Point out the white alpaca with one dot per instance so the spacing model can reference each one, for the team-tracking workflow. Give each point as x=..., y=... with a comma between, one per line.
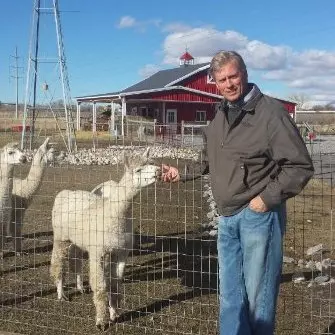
x=83, y=198
x=99, y=226
x=10, y=155
x=24, y=189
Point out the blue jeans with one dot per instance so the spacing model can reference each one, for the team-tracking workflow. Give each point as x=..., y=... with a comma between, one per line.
x=250, y=259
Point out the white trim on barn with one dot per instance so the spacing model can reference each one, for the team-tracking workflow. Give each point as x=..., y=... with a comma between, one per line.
x=313, y=112
x=98, y=97
x=78, y=127
x=123, y=113
x=94, y=121
x=183, y=88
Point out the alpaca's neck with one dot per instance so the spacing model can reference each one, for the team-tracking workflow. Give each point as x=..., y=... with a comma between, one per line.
x=126, y=189
x=28, y=186
x=6, y=182
x=123, y=193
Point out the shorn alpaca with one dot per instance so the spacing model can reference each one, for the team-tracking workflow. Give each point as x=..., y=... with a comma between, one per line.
x=10, y=155
x=24, y=189
x=99, y=226
x=83, y=199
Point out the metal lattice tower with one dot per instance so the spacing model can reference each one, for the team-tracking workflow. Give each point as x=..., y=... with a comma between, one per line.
x=37, y=93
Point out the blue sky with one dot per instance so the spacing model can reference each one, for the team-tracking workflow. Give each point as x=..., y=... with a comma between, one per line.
x=289, y=46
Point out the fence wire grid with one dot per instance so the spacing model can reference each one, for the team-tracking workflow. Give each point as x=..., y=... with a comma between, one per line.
x=170, y=280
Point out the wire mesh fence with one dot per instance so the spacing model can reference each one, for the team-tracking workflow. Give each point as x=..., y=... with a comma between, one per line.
x=170, y=280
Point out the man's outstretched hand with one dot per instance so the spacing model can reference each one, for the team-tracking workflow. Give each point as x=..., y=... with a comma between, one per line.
x=170, y=174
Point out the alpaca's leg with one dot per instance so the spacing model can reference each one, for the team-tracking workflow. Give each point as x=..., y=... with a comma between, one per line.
x=112, y=285
x=76, y=265
x=4, y=223
x=59, y=253
x=98, y=286
x=17, y=242
x=117, y=263
x=121, y=264
x=15, y=228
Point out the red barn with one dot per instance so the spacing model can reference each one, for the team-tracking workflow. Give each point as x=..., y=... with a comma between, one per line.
x=170, y=96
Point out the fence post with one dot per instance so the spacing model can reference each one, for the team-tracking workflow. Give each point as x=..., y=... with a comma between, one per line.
x=182, y=132
x=112, y=130
x=140, y=131
x=155, y=121
x=127, y=126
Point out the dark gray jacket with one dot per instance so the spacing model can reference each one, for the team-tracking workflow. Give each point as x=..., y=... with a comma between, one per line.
x=261, y=153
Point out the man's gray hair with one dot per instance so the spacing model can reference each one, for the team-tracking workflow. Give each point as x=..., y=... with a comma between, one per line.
x=222, y=58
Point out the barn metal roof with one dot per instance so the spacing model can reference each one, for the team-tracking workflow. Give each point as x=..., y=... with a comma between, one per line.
x=165, y=77
x=160, y=79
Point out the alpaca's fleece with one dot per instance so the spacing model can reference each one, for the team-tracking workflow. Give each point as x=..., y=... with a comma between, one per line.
x=10, y=155
x=24, y=189
x=99, y=225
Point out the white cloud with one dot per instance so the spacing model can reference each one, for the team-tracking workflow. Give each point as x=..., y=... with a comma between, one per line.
x=315, y=58
x=201, y=42
x=130, y=22
x=260, y=56
x=126, y=22
x=148, y=70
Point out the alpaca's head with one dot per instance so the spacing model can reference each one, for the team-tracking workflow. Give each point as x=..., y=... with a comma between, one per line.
x=45, y=153
x=11, y=154
x=141, y=170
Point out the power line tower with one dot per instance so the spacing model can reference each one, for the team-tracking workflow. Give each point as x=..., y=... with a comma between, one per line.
x=44, y=86
x=16, y=76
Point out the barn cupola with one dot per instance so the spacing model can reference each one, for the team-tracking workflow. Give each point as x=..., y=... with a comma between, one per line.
x=186, y=59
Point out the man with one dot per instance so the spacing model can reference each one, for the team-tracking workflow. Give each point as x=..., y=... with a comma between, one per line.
x=257, y=160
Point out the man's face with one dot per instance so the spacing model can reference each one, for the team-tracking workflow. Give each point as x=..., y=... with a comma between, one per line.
x=231, y=81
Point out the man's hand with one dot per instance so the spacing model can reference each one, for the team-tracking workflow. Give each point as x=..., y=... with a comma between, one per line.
x=257, y=205
x=170, y=174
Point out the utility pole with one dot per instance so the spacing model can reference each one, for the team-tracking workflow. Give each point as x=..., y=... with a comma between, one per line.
x=34, y=77
x=16, y=78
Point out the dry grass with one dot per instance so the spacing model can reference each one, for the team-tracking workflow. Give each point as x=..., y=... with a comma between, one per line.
x=171, y=278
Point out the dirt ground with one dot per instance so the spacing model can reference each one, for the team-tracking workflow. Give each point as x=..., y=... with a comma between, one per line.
x=170, y=284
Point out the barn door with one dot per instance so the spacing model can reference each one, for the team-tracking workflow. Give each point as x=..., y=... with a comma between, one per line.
x=171, y=120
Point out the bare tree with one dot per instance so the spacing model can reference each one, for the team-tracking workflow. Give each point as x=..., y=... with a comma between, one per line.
x=327, y=107
x=300, y=99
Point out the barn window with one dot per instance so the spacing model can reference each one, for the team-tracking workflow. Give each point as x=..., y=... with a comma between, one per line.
x=200, y=116
x=143, y=111
x=150, y=112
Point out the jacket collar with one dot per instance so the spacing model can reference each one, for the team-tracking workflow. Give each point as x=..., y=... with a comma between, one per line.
x=251, y=99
